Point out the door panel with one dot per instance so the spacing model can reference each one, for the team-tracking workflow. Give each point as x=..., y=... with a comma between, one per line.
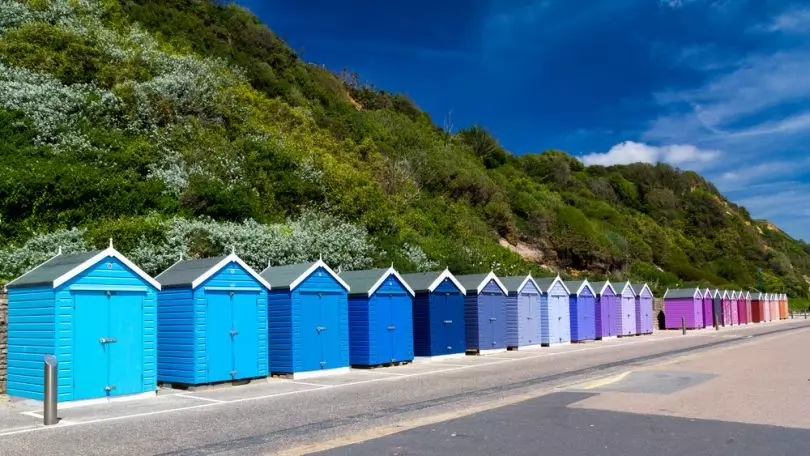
x=218, y=345
x=90, y=357
x=330, y=336
x=126, y=354
x=245, y=310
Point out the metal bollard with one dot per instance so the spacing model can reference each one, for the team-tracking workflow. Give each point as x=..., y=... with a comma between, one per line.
x=49, y=404
x=683, y=326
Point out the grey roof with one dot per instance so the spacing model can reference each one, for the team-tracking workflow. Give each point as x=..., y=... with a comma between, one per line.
x=597, y=286
x=362, y=281
x=280, y=277
x=545, y=283
x=471, y=281
x=183, y=273
x=638, y=286
x=421, y=281
x=47, y=272
x=682, y=293
x=513, y=283
x=573, y=285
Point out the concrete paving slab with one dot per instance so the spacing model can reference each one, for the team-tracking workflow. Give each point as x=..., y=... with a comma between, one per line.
x=418, y=368
x=13, y=419
x=655, y=382
x=354, y=376
x=121, y=409
x=269, y=388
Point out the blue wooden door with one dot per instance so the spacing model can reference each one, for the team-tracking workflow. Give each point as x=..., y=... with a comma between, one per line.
x=329, y=331
x=492, y=306
x=439, y=324
x=455, y=331
x=245, y=339
x=310, y=351
x=90, y=357
x=401, y=317
x=218, y=345
x=126, y=353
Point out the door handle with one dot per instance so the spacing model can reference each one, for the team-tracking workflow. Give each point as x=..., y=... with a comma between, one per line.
x=492, y=318
x=109, y=388
x=320, y=328
x=323, y=363
x=391, y=328
x=234, y=332
x=448, y=322
x=108, y=340
x=233, y=373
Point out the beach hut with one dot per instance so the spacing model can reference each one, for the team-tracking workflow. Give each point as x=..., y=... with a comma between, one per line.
x=683, y=306
x=212, y=321
x=438, y=314
x=717, y=307
x=380, y=317
x=582, y=308
x=742, y=312
x=95, y=312
x=785, y=308
x=523, y=325
x=766, y=307
x=554, y=311
x=735, y=308
x=608, y=310
x=749, y=311
x=484, y=312
x=757, y=308
x=644, y=308
x=726, y=299
x=308, y=320
x=627, y=322
x=708, y=309
x=775, y=314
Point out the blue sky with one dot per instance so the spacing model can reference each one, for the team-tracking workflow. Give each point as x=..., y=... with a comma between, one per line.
x=720, y=87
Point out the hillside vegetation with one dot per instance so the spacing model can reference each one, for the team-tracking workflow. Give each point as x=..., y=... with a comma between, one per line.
x=187, y=127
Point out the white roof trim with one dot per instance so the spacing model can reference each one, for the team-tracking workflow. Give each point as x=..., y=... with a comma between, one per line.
x=716, y=293
x=108, y=252
x=228, y=259
x=607, y=285
x=697, y=291
x=528, y=279
x=487, y=279
x=390, y=272
x=560, y=280
x=644, y=287
x=708, y=290
x=630, y=286
x=446, y=274
x=583, y=286
x=313, y=268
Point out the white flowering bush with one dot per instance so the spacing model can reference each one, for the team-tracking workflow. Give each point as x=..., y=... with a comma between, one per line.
x=312, y=235
x=56, y=109
x=418, y=258
x=16, y=261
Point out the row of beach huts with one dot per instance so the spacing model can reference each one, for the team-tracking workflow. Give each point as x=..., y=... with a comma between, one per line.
x=695, y=308
x=117, y=331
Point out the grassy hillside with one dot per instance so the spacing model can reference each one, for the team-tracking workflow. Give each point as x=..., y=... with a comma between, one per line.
x=186, y=127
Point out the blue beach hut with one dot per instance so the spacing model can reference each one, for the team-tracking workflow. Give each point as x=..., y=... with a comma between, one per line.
x=582, y=303
x=212, y=321
x=438, y=314
x=523, y=326
x=308, y=320
x=555, y=313
x=484, y=313
x=380, y=317
x=95, y=311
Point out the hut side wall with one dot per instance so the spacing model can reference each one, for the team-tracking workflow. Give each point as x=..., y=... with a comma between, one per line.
x=3, y=339
x=177, y=361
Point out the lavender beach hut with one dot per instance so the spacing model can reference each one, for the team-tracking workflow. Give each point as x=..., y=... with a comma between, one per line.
x=523, y=325
x=683, y=306
x=554, y=311
x=627, y=321
x=644, y=308
x=608, y=310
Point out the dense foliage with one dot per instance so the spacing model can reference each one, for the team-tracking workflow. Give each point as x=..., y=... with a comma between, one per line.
x=187, y=127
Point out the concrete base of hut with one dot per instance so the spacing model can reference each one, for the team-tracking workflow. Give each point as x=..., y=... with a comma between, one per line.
x=556, y=344
x=525, y=347
x=427, y=359
x=313, y=374
x=491, y=351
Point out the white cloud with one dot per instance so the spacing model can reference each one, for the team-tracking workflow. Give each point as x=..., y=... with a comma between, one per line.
x=681, y=155
x=792, y=21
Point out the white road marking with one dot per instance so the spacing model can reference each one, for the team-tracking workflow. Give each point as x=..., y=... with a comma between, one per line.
x=34, y=414
x=206, y=399
x=316, y=387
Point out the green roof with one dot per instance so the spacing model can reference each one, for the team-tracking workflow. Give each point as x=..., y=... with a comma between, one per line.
x=545, y=283
x=471, y=281
x=680, y=293
x=598, y=286
x=638, y=286
x=46, y=273
x=183, y=273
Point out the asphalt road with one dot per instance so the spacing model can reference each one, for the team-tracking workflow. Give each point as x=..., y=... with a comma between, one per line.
x=326, y=414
